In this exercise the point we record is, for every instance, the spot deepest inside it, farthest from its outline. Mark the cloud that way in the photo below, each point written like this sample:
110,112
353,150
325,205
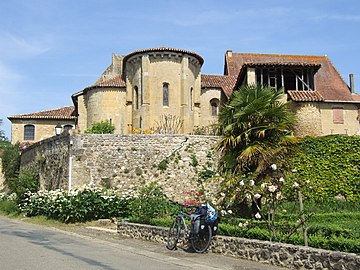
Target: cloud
339,17
14,46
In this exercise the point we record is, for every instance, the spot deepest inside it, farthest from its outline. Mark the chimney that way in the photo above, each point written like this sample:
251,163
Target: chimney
229,53
352,86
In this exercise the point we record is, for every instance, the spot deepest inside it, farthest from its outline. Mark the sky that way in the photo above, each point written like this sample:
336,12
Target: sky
51,49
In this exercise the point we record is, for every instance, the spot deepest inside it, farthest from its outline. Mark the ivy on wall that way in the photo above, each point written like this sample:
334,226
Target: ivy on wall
326,167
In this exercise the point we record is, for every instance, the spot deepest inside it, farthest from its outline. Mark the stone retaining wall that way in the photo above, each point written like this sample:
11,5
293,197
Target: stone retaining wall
124,162
285,255
49,157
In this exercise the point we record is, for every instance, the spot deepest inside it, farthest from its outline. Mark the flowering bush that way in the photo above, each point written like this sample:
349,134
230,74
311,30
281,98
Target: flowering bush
194,198
77,205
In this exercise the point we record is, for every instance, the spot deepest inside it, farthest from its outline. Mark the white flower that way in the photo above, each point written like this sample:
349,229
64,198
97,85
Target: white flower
294,170
222,194
296,185
263,185
307,181
257,215
252,182
274,167
223,212
257,196
229,212
272,188
281,180
248,197
278,195
242,183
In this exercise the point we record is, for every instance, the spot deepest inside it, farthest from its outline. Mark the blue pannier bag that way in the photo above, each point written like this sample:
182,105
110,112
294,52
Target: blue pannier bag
212,218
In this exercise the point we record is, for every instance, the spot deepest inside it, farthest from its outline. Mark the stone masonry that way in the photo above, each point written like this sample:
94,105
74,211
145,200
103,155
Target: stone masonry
285,255
124,162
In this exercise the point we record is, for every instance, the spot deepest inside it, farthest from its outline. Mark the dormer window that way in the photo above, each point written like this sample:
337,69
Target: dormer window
291,78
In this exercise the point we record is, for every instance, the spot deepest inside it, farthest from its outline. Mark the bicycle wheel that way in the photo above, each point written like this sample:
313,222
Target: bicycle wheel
173,235
201,241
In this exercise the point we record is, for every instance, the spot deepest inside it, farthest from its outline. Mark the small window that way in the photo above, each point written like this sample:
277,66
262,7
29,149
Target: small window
29,132
136,97
191,98
166,94
214,106
338,115
141,122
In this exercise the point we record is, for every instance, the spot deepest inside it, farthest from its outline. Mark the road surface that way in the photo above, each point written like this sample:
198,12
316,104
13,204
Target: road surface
28,246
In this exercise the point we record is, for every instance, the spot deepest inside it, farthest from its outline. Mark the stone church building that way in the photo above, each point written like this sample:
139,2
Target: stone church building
138,90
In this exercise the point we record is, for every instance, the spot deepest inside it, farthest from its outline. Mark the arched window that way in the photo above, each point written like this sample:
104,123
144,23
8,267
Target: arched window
68,127
136,97
214,103
29,132
165,94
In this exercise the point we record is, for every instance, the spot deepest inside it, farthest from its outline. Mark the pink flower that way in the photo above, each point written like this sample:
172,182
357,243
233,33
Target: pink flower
278,195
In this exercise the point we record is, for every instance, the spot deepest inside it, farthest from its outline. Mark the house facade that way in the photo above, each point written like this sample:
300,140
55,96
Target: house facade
324,104
137,91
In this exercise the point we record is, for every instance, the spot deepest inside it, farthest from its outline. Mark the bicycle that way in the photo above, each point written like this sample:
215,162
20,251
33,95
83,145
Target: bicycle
199,235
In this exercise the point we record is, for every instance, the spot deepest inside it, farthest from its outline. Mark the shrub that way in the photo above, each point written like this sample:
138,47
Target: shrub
78,206
8,204
11,162
151,203
27,180
103,127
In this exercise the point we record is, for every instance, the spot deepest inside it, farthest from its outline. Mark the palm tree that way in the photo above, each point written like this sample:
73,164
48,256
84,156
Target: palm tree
256,124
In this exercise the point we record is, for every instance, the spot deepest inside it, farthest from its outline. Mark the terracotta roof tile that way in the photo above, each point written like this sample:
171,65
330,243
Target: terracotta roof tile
114,82
63,113
355,97
305,95
329,82
226,83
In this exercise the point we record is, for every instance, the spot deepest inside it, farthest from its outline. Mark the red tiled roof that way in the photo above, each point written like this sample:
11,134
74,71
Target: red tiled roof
355,97
114,82
226,83
328,81
63,113
305,95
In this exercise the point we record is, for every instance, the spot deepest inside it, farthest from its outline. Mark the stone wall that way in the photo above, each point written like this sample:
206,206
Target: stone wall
286,255
124,162
50,158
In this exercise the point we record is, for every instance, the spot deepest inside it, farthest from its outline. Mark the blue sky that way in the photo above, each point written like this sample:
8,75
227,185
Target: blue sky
50,49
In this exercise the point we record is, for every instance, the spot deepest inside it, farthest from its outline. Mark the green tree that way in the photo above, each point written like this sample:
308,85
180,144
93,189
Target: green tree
103,127
256,124
3,140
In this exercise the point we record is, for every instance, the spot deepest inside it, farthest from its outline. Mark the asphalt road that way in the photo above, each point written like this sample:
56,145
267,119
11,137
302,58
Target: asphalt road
27,246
